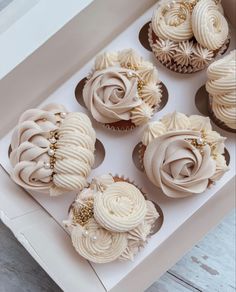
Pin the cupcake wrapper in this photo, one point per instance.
(118, 127)
(218, 122)
(185, 69)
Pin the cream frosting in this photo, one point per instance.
(209, 25)
(151, 94)
(181, 154)
(221, 167)
(164, 50)
(176, 121)
(115, 87)
(120, 208)
(31, 143)
(140, 115)
(201, 56)
(100, 246)
(222, 88)
(167, 23)
(152, 131)
(172, 163)
(106, 60)
(116, 205)
(183, 53)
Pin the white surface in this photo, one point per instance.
(182, 90)
(26, 33)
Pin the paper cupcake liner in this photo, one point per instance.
(217, 121)
(173, 66)
(120, 126)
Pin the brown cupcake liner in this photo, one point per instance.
(120, 126)
(173, 66)
(217, 121)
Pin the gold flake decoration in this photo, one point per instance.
(83, 213)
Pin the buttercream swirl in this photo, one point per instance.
(209, 25)
(172, 163)
(141, 114)
(183, 53)
(164, 50)
(100, 246)
(116, 227)
(222, 88)
(181, 154)
(114, 89)
(31, 145)
(167, 23)
(201, 57)
(120, 208)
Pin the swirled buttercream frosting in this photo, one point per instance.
(209, 25)
(185, 35)
(221, 86)
(116, 88)
(52, 150)
(110, 220)
(183, 155)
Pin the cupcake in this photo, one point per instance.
(52, 151)
(221, 86)
(110, 220)
(186, 35)
(123, 90)
(182, 155)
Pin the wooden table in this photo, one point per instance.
(209, 266)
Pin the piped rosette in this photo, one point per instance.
(182, 155)
(186, 35)
(52, 151)
(123, 91)
(221, 86)
(110, 220)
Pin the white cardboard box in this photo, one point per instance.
(36, 221)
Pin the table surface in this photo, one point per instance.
(209, 266)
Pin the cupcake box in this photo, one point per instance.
(36, 220)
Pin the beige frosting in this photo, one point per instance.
(174, 163)
(141, 114)
(30, 150)
(164, 50)
(221, 86)
(100, 246)
(152, 131)
(115, 87)
(201, 57)
(167, 24)
(221, 167)
(120, 208)
(151, 94)
(106, 60)
(176, 166)
(176, 121)
(121, 224)
(183, 53)
(199, 123)
(209, 25)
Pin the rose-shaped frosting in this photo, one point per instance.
(110, 95)
(167, 23)
(209, 25)
(222, 88)
(120, 208)
(110, 220)
(115, 88)
(176, 166)
(31, 154)
(97, 244)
